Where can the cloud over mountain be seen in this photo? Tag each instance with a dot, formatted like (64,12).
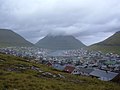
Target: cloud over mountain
(88,20)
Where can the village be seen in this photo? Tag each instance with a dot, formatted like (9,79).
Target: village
(83,62)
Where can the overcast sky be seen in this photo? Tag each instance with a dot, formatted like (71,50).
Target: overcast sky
(90,21)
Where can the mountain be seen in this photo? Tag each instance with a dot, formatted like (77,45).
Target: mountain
(10,38)
(111,44)
(19,74)
(60,42)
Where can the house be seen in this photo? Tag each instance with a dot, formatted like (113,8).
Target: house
(76,71)
(85,71)
(69,68)
(82,71)
(49,64)
(103,75)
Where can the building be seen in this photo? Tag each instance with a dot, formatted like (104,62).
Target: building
(104,75)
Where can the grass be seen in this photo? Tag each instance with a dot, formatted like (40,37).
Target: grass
(110,45)
(28,79)
(106,49)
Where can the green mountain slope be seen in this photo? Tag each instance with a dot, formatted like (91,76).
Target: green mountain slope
(112,44)
(10,38)
(60,42)
(19,74)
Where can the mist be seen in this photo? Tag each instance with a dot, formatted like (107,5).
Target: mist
(90,21)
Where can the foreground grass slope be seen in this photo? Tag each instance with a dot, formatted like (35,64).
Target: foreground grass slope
(19,74)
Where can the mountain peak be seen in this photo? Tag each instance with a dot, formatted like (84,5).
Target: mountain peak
(10,38)
(111,44)
(6,30)
(60,42)
(59,35)
(118,32)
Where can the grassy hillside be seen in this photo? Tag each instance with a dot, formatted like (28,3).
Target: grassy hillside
(105,49)
(114,40)
(110,45)
(60,42)
(19,74)
(10,38)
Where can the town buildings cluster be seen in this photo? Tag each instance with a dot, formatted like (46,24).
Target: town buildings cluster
(79,62)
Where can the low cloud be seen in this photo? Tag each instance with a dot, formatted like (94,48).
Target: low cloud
(88,20)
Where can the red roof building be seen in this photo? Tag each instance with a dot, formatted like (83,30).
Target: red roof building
(69,69)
